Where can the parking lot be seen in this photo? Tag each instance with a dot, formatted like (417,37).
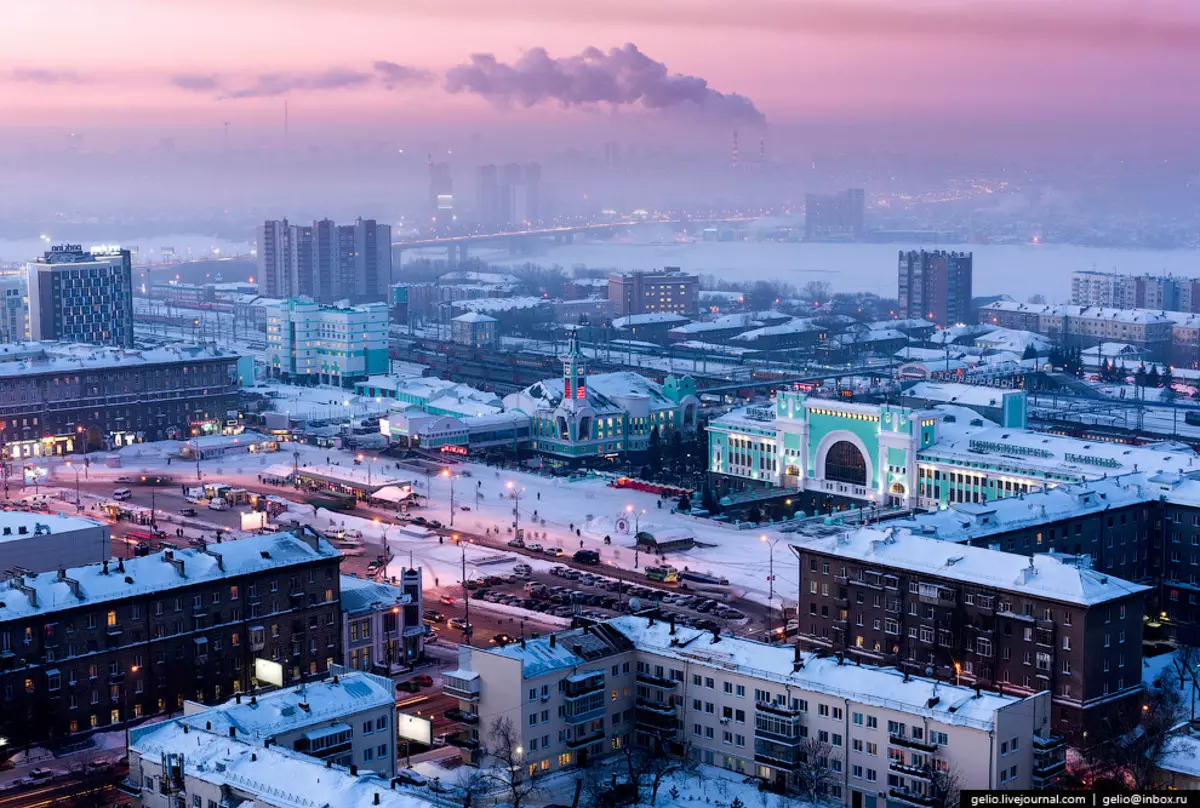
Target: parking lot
(567,592)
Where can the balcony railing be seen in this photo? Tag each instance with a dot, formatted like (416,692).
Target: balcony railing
(584,740)
(593,714)
(922,772)
(462,740)
(912,798)
(767,759)
(921,746)
(462,716)
(777,709)
(656,681)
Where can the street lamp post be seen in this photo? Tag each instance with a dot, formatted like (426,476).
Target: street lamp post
(516,494)
(637,528)
(451,477)
(370,465)
(771,575)
(196,450)
(76,470)
(466,593)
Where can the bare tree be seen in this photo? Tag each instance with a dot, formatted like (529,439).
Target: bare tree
(508,773)
(650,766)
(470,785)
(813,774)
(1184,664)
(1136,742)
(944,787)
(816,291)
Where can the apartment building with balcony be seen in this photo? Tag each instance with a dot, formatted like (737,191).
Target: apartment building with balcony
(886,737)
(1005,622)
(94,647)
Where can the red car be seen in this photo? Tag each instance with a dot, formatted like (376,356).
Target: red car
(446,599)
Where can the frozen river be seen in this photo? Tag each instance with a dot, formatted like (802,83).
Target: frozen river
(1017,270)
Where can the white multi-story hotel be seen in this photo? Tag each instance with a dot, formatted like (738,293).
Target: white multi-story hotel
(749,707)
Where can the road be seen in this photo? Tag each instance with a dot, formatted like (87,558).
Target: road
(72,790)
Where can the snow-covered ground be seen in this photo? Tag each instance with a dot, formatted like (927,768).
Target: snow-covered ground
(554,512)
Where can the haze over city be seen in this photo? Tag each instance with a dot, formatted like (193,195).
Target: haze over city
(532,404)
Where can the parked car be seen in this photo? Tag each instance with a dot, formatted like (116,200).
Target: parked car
(517,542)
(411,776)
(188,511)
(533,547)
(554,552)
(587,557)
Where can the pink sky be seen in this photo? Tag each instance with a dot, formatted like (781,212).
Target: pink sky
(67,61)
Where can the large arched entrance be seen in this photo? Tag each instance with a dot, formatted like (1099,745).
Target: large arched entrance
(844,463)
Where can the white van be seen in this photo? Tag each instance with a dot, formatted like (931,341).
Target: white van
(218,505)
(122,494)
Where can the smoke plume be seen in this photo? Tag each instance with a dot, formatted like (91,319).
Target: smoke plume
(621,77)
(269,85)
(396,75)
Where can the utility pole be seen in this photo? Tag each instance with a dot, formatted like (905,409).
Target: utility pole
(466,599)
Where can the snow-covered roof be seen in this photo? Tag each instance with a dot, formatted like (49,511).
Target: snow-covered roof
(602,389)
(1181,755)
(883,687)
(567,649)
(970,395)
(280,776)
(473,317)
(1012,339)
(869,336)
(1058,454)
(1139,316)
(722,323)
(367,473)
(797,326)
(61,357)
(289,709)
(17,525)
(157,573)
(495,304)
(967,521)
(657,317)
(363,594)
(1042,576)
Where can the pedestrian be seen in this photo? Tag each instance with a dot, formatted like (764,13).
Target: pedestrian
(581,544)
(539,493)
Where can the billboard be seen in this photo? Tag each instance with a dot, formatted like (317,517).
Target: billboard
(268,672)
(254,520)
(414,729)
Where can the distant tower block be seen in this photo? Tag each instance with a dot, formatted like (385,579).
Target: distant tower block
(734,160)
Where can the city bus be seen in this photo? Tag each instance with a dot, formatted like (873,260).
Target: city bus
(666,575)
(141,535)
